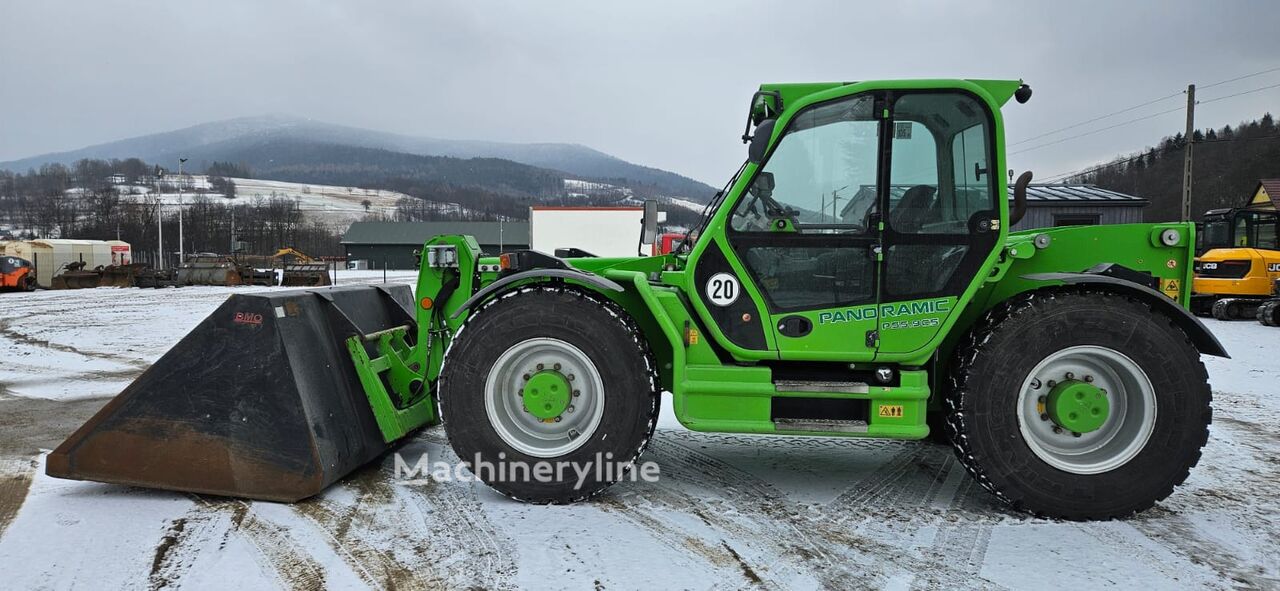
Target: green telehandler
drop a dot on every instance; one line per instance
(856, 277)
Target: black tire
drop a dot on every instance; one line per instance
(600, 329)
(996, 358)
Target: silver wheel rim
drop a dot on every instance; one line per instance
(526, 433)
(1127, 429)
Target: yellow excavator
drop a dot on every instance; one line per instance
(1239, 261)
(301, 270)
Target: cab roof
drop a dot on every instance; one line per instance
(999, 90)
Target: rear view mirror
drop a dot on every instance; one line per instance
(760, 141)
(650, 231)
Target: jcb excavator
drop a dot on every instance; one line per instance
(1239, 264)
(300, 270)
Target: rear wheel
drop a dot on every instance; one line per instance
(1079, 405)
(549, 376)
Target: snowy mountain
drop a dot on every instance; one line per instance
(242, 139)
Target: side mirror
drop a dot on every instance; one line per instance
(1019, 199)
(650, 231)
(760, 141)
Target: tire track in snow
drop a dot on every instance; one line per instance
(23, 338)
(1183, 538)
(811, 534)
(181, 544)
(210, 524)
(352, 531)
(418, 534)
(454, 508)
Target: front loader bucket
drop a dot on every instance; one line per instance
(273, 397)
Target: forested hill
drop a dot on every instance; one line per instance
(246, 139)
(1226, 166)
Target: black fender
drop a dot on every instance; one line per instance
(507, 282)
(1200, 336)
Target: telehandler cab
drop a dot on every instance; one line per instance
(855, 278)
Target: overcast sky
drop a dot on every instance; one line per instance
(659, 83)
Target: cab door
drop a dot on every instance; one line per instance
(943, 214)
(805, 233)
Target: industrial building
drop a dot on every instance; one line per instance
(393, 243)
(1078, 205)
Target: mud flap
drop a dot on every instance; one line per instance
(264, 399)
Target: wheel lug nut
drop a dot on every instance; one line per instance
(526, 377)
(520, 392)
(570, 409)
(1071, 376)
(1042, 399)
(577, 393)
(1052, 383)
(1035, 383)
(557, 419)
(540, 366)
(556, 367)
(1044, 417)
(570, 376)
(1074, 434)
(1088, 379)
(1057, 430)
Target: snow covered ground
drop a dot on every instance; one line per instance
(331, 204)
(729, 510)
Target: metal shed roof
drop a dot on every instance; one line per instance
(1050, 194)
(419, 232)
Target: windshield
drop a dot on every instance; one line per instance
(1216, 234)
(705, 217)
(11, 264)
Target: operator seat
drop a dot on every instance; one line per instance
(917, 208)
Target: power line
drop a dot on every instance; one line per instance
(1093, 169)
(1150, 102)
(1085, 171)
(1109, 115)
(1260, 89)
(1088, 133)
(1275, 69)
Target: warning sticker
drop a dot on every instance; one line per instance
(1170, 287)
(891, 411)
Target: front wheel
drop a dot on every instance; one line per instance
(549, 394)
(1079, 405)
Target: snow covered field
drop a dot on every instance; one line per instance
(729, 511)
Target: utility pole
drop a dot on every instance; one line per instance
(181, 179)
(1186, 156)
(159, 219)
